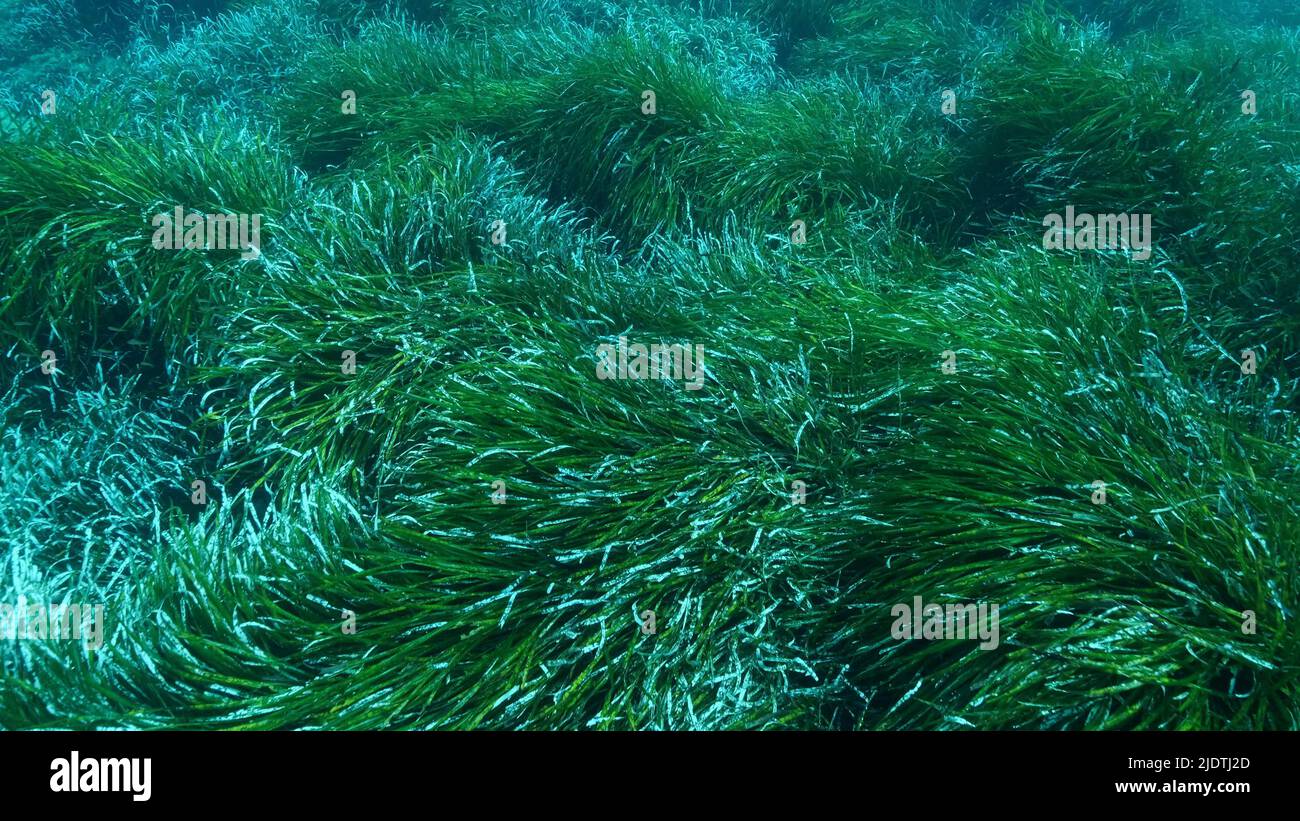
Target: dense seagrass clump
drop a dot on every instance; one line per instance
(562, 364)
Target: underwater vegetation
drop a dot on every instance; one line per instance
(650, 364)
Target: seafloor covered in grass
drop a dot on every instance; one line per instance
(372, 492)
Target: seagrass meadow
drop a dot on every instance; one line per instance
(369, 466)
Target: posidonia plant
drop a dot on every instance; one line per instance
(369, 477)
